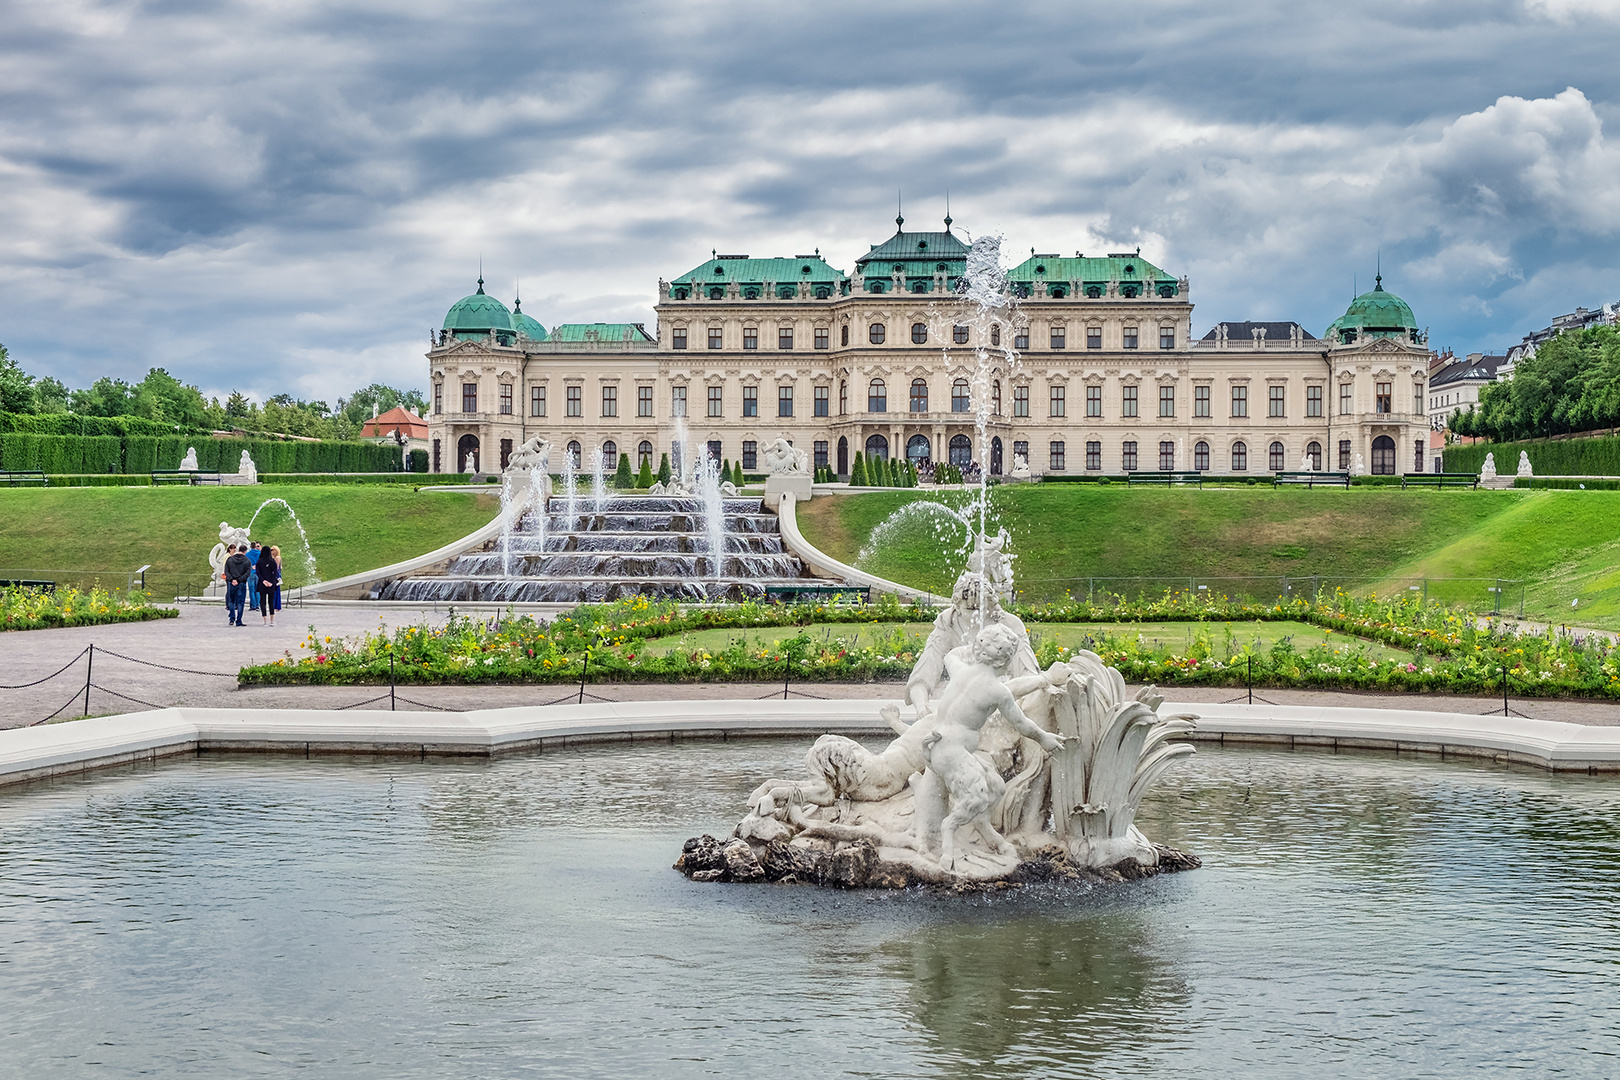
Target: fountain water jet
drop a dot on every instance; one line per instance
(309, 554)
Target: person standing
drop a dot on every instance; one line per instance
(238, 569)
(253, 579)
(275, 596)
(230, 549)
(268, 581)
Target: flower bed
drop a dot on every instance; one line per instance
(23, 608)
(1452, 652)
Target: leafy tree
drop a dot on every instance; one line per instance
(238, 405)
(50, 396)
(16, 385)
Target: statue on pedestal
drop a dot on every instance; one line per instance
(189, 462)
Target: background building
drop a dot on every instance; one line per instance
(882, 360)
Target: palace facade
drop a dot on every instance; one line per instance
(1108, 380)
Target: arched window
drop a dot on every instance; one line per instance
(1278, 457)
(1094, 291)
(960, 398)
(919, 286)
(717, 293)
(995, 335)
(919, 333)
(919, 395)
(467, 453)
(1313, 451)
(959, 334)
(843, 335)
(877, 397)
(876, 333)
(877, 447)
(917, 449)
(995, 397)
(574, 451)
(1383, 456)
(843, 456)
(1240, 457)
(875, 286)
(995, 456)
(961, 450)
(610, 455)
(644, 454)
(1201, 456)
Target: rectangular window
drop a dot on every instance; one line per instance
(1167, 456)
(1347, 399)
(1059, 405)
(821, 401)
(1275, 400)
(1201, 457)
(1021, 338)
(677, 337)
(1344, 454)
(1128, 401)
(717, 401)
(610, 401)
(506, 453)
(1130, 337)
(469, 397)
(1021, 449)
(537, 401)
(715, 450)
(1020, 401)
(820, 448)
(1167, 401)
(750, 401)
(1417, 403)
(1054, 456)
(506, 399)
(576, 401)
(843, 399)
(438, 397)
(750, 337)
(1167, 337)
(438, 451)
(822, 341)
(1240, 401)
(784, 401)
(1094, 456)
(1058, 333)
(1093, 337)
(1128, 457)
(784, 337)
(1417, 455)
(1386, 398)
(750, 454)
(644, 401)
(1313, 401)
(717, 338)
(1240, 457)
(677, 401)
(1200, 401)
(1093, 401)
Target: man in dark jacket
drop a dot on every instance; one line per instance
(237, 571)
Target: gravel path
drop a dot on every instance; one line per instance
(200, 641)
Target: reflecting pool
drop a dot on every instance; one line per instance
(1356, 916)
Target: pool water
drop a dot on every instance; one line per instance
(1356, 916)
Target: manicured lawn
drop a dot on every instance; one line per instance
(1066, 534)
(80, 534)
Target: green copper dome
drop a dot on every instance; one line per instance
(476, 315)
(523, 324)
(1375, 314)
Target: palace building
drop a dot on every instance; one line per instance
(881, 360)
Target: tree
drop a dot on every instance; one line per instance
(857, 472)
(737, 475)
(50, 396)
(16, 385)
(644, 478)
(622, 476)
(663, 469)
(238, 405)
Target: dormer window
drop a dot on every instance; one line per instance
(681, 294)
(1094, 291)
(922, 245)
(720, 271)
(717, 293)
(751, 293)
(1129, 291)
(1040, 269)
(1129, 269)
(1167, 291)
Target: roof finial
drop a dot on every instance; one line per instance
(517, 296)
(1378, 282)
(899, 215)
(947, 209)
(480, 275)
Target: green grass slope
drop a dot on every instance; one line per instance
(1064, 534)
(81, 534)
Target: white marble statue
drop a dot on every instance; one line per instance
(991, 561)
(1487, 471)
(783, 459)
(1524, 464)
(467, 463)
(189, 462)
(728, 489)
(533, 454)
(1004, 764)
(246, 468)
(674, 489)
(1020, 467)
(228, 535)
(1360, 468)
(1305, 461)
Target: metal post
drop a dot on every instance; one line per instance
(89, 662)
(1504, 688)
(390, 682)
(1250, 680)
(786, 675)
(583, 673)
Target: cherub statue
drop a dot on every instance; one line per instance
(227, 535)
(783, 459)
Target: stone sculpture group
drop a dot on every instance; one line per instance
(1004, 773)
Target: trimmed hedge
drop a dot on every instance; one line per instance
(138, 454)
(363, 478)
(1560, 457)
(112, 480)
(1565, 483)
(61, 453)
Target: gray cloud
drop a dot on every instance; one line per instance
(285, 197)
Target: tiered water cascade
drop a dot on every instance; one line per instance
(613, 546)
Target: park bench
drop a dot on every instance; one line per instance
(800, 594)
(13, 477)
(184, 476)
(1165, 478)
(25, 583)
(1312, 479)
(1440, 480)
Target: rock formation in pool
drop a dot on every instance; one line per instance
(1006, 773)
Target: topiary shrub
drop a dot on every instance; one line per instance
(663, 469)
(622, 476)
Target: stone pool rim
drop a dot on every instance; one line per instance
(81, 746)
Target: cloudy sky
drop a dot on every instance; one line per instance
(284, 196)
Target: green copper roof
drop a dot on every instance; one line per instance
(523, 324)
(1096, 269)
(608, 333)
(479, 312)
(723, 269)
(919, 253)
(1375, 314)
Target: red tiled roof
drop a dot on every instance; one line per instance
(398, 417)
